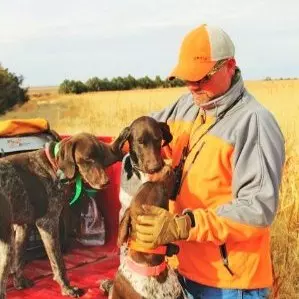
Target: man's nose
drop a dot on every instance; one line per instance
(192, 86)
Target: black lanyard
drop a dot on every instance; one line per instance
(179, 178)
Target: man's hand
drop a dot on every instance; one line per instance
(159, 227)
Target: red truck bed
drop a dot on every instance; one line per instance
(86, 265)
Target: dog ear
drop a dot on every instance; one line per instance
(55, 135)
(119, 142)
(128, 167)
(124, 228)
(122, 138)
(65, 159)
(167, 136)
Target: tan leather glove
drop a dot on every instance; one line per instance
(159, 227)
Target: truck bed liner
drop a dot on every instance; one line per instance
(86, 267)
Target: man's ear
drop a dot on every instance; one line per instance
(167, 136)
(124, 228)
(66, 158)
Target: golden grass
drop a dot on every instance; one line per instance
(280, 97)
(106, 113)
(285, 231)
(102, 113)
(43, 91)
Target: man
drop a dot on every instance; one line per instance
(231, 153)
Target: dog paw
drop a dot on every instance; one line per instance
(72, 292)
(106, 285)
(22, 283)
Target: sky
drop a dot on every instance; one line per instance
(49, 41)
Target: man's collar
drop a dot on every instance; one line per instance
(216, 106)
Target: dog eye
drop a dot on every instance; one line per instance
(157, 141)
(141, 141)
(85, 161)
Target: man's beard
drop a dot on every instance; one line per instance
(201, 97)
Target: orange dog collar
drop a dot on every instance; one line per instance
(146, 270)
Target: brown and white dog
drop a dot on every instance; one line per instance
(31, 192)
(145, 137)
(144, 179)
(144, 273)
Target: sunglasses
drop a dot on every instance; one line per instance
(219, 64)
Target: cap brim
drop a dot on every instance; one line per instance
(192, 72)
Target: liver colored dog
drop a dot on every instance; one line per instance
(145, 180)
(133, 279)
(32, 193)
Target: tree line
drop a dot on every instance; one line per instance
(281, 78)
(11, 92)
(117, 83)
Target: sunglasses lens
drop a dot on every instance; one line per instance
(210, 74)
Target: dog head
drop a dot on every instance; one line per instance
(83, 153)
(146, 136)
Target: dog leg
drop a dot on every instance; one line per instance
(5, 257)
(106, 286)
(48, 227)
(19, 280)
(122, 289)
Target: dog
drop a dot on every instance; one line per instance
(144, 163)
(144, 273)
(34, 188)
(145, 137)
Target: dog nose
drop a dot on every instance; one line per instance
(105, 184)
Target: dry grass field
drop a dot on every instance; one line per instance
(105, 113)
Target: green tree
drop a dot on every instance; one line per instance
(94, 84)
(177, 83)
(117, 83)
(173, 83)
(158, 81)
(106, 84)
(131, 81)
(72, 86)
(146, 83)
(11, 92)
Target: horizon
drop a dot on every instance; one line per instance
(47, 43)
(246, 81)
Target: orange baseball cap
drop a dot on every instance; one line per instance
(200, 50)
